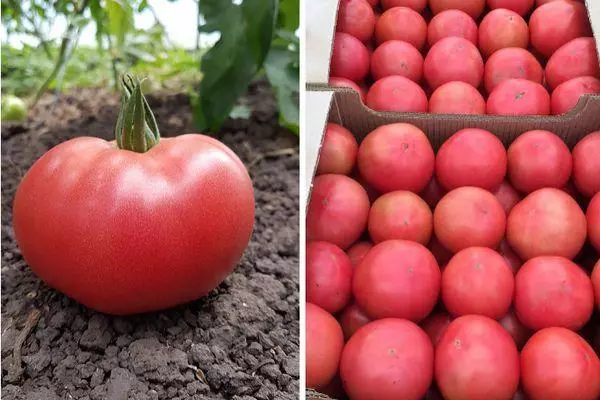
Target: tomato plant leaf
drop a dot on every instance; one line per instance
(283, 73)
(120, 19)
(246, 31)
(289, 15)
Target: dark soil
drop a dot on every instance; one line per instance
(240, 342)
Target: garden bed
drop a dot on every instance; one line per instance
(240, 342)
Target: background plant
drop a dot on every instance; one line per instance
(256, 38)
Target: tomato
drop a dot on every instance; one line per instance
(387, 359)
(456, 97)
(518, 97)
(471, 157)
(324, 343)
(539, 159)
(349, 58)
(338, 151)
(478, 281)
(401, 23)
(13, 108)
(395, 57)
(586, 164)
(417, 5)
(453, 59)
(557, 364)
(396, 93)
(358, 251)
(553, 24)
(467, 217)
(347, 83)
(593, 221)
(328, 276)
(403, 152)
(400, 215)
(472, 7)
(399, 279)
(512, 63)
(547, 222)
(500, 29)
(126, 232)
(521, 7)
(352, 319)
(356, 18)
(553, 291)
(338, 210)
(435, 325)
(573, 59)
(476, 359)
(452, 23)
(567, 95)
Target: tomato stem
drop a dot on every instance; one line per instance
(136, 128)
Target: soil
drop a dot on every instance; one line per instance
(240, 342)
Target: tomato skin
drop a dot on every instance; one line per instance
(476, 359)
(558, 364)
(387, 359)
(124, 232)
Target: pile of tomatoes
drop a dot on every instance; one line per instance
(502, 57)
(470, 273)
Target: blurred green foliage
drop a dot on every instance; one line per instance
(256, 38)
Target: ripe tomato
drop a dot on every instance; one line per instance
(126, 232)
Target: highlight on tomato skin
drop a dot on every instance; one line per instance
(141, 224)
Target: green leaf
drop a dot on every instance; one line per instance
(120, 19)
(282, 71)
(246, 31)
(289, 15)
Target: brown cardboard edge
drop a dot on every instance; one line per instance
(593, 12)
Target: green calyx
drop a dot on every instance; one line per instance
(136, 128)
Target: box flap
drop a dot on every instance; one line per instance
(317, 109)
(320, 19)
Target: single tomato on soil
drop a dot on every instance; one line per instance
(356, 18)
(539, 159)
(553, 291)
(401, 23)
(515, 328)
(352, 319)
(396, 93)
(435, 325)
(512, 63)
(566, 95)
(548, 222)
(395, 57)
(452, 23)
(557, 364)
(456, 97)
(476, 359)
(573, 59)
(593, 221)
(328, 276)
(338, 151)
(453, 59)
(472, 7)
(502, 28)
(350, 58)
(586, 164)
(358, 251)
(553, 24)
(400, 215)
(399, 279)
(477, 280)
(338, 210)
(387, 359)
(518, 97)
(467, 217)
(139, 225)
(471, 157)
(324, 343)
(403, 151)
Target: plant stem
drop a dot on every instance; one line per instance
(113, 61)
